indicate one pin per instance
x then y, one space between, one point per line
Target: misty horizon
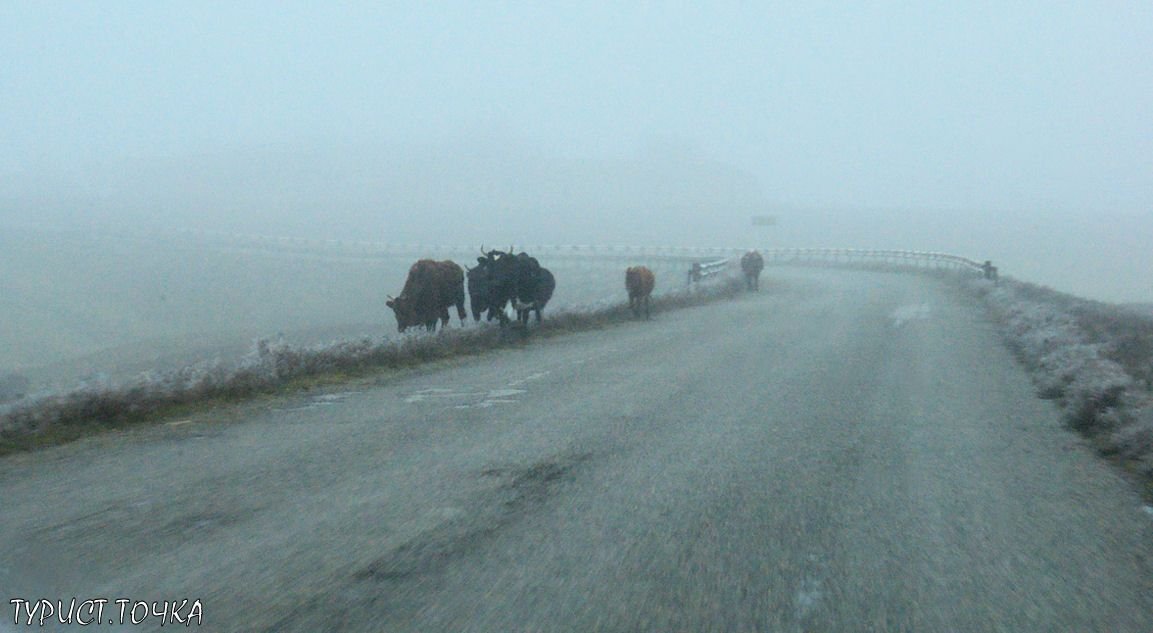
1018 134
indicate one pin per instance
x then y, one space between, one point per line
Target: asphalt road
840 452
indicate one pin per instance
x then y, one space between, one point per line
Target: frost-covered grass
274 366
1095 359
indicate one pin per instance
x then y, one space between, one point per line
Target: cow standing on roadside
501 278
492 284
639 282
480 289
751 265
533 288
428 292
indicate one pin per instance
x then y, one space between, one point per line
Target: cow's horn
390 297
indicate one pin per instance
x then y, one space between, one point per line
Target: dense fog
1014 133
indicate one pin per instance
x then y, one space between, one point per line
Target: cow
639 282
534 287
501 278
751 265
492 284
431 288
479 289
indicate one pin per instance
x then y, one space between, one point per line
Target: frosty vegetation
270 366
1095 359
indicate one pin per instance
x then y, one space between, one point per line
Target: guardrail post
695 273
989 270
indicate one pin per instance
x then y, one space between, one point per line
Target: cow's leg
648 313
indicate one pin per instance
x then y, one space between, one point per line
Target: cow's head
404 310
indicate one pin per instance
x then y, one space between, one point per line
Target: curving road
840 452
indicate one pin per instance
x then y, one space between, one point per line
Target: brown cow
751 265
639 281
428 292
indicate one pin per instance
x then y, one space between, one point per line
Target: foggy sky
1013 131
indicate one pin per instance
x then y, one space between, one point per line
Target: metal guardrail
899 258
711 259
699 271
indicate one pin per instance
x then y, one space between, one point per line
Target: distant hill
454 192
1145 309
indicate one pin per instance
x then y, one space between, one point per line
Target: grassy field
101 308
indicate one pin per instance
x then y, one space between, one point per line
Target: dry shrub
1097 359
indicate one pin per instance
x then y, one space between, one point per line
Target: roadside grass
274 368
1093 358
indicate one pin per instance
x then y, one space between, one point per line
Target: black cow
480 289
501 278
534 287
491 285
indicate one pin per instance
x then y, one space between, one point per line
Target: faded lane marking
323 400
905 314
494 397
465 399
529 378
426 395
811 591
504 393
807 597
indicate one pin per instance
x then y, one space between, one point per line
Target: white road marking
807 597
484 404
323 400
905 314
529 378
811 591
482 399
504 393
425 395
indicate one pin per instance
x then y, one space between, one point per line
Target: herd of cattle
501 278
